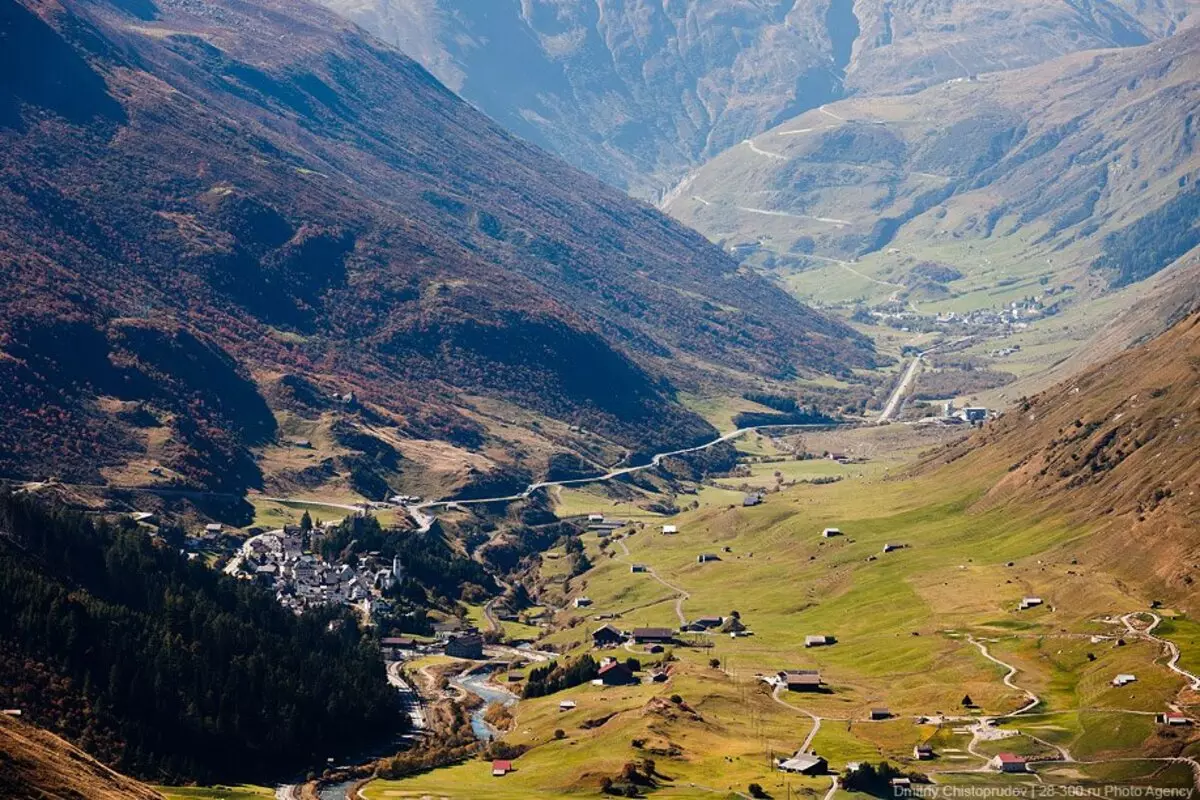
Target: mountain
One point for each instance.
(40, 765)
(1071, 180)
(1112, 449)
(639, 92)
(230, 226)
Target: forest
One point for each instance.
(169, 670)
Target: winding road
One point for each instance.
(1173, 663)
(425, 520)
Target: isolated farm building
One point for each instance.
(1008, 762)
(805, 764)
(595, 518)
(752, 500)
(607, 636)
(829, 533)
(566, 705)
(1123, 679)
(615, 673)
(841, 457)
(637, 567)
(500, 768)
(1030, 602)
(213, 529)
(801, 680)
(704, 558)
(818, 641)
(660, 676)
(901, 787)
(888, 548)
(704, 623)
(880, 713)
(658, 635)
(145, 517)
(582, 602)
(1172, 719)
(733, 625)
(468, 646)
(670, 530)
(923, 752)
(974, 413)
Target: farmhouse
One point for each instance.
(670, 530)
(923, 752)
(1008, 762)
(829, 533)
(637, 567)
(804, 764)
(801, 680)
(582, 601)
(659, 635)
(704, 623)
(1029, 602)
(888, 548)
(704, 558)
(818, 641)
(880, 713)
(607, 636)
(468, 646)
(615, 673)
(1123, 679)
(752, 500)
(566, 705)
(500, 768)
(595, 518)
(1172, 719)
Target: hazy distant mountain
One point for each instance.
(214, 217)
(1088, 158)
(637, 92)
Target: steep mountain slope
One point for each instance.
(37, 764)
(1115, 448)
(637, 92)
(219, 217)
(1053, 165)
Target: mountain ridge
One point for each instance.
(242, 191)
(639, 93)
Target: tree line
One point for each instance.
(169, 670)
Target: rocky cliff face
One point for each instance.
(636, 92)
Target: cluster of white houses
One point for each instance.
(302, 580)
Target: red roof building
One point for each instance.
(501, 768)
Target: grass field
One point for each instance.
(901, 619)
(215, 792)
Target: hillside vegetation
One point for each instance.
(1039, 164)
(238, 210)
(39, 765)
(1113, 448)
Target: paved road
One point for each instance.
(893, 403)
(806, 746)
(424, 519)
